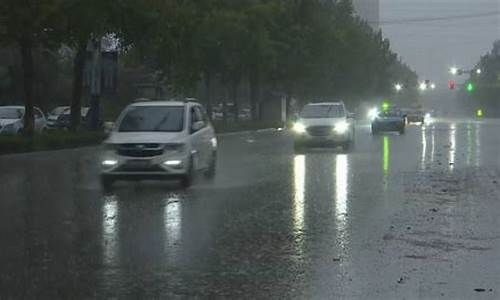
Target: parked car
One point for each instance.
(12, 119)
(160, 140)
(54, 115)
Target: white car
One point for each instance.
(12, 119)
(54, 115)
(321, 124)
(159, 140)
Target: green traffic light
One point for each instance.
(386, 105)
(479, 113)
(470, 87)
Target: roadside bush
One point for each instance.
(49, 141)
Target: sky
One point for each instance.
(431, 47)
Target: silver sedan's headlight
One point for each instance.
(299, 127)
(341, 127)
(175, 148)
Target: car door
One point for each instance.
(206, 136)
(39, 120)
(196, 138)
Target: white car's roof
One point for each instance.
(326, 103)
(13, 106)
(160, 103)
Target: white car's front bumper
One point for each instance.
(162, 166)
(330, 137)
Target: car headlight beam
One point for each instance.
(341, 127)
(299, 128)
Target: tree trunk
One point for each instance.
(26, 47)
(76, 99)
(254, 95)
(208, 93)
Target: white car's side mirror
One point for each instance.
(197, 126)
(108, 127)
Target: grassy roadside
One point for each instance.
(10, 144)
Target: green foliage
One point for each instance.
(308, 49)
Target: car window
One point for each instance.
(38, 114)
(11, 113)
(322, 111)
(153, 118)
(199, 115)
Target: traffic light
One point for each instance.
(386, 105)
(479, 113)
(470, 87)
(452, 84)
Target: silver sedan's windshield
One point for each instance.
(322, 111)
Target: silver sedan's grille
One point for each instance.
(320, 130)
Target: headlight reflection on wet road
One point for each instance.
(110, 230)
(452, 146)
(299, 173)
(173, 220)
(424, 147)
(341, 198)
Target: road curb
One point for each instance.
(248, 131)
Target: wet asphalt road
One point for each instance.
(404, 217)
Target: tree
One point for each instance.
(28, 24)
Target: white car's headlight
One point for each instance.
(341, 127)
(175, 148)
(299, 127)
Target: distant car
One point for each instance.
(12, 119)
(64, 119)
(415, 116)
(54, 115)
(390, 120)
(160, 140)
(325, 124)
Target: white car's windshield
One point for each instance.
(322, 111)
(11, 113)
(153, 118)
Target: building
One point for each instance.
(368, 10)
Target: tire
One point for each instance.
(298, 148)
(402, 131)
(347, 146)
(374, 131)
(107, 183)
(210, 172)
(188, 178)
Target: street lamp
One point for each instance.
(398, 87)
(478, 71)
(453, 70)
(433, 86)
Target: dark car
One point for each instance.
(390, 120)
(416, 116)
